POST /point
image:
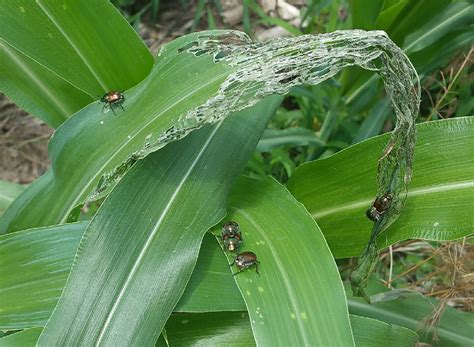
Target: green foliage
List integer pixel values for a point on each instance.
(155, 261)
(145, 264)
(232, 328)
(450, 327)
(355, 97)
(34, 266)
(210, 289)
(295, 260)
(8, 192)
(53, 64)
(442, 178)
(24, 338)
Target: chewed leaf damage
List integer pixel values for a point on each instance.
(274, 67)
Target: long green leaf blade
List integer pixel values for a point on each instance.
(34, 270)
(364, 14)
(150, 108)
(139, 251)
(298, 299)
(371, 332)
(455, 328)
(338, 190)
(34, 265)
(455, 16)
(292, 136)
(209, 329)
(233, 329)
(409, 27)
(8, 192)
(218, 72)
(37, 89)
(92, 56)
(25, 338)
(210, 288)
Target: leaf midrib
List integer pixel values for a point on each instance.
(74, 46)
(415, 192)
(282, 271)
(110, 158)
(152, 235)
(34, 78)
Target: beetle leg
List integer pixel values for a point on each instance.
(112, 108)
(236, 273)
(256, 267)
(122, 107)
(232, 263)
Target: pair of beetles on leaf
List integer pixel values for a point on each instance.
(232, 238)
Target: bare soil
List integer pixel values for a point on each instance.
(23, 144)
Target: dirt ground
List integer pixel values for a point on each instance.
(23, 144)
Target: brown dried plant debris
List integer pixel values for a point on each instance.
(23, 144)
(445, 271)
(451, 270)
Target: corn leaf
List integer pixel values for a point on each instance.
(59, 56)
(338, 190)
(139, 250)
(298, 278)
(34, 265)
(233, 329)
(210, 289)
(197, 79)
(25, 338)
(8, 192)
(454, 328)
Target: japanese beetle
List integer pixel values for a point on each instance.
(232, 244)
(245, 260)
(231, 236)
(230, 229)
(379, 207)
(113, 98)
